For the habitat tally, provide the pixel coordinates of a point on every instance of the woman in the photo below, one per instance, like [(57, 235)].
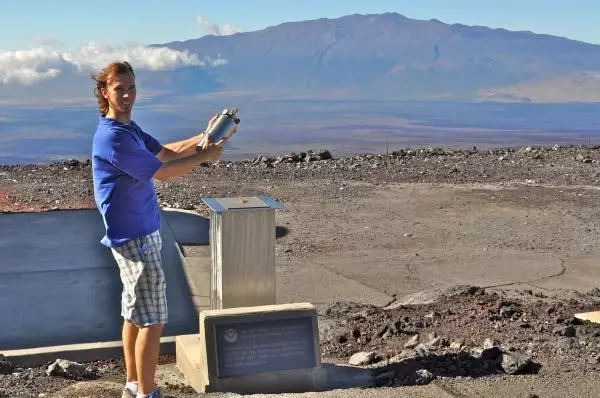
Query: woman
[(125, 161)]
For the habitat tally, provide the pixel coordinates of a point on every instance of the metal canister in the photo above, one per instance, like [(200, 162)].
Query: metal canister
[(223, 127)]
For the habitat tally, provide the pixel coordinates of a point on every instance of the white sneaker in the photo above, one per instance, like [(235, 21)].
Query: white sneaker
[(127, 393)]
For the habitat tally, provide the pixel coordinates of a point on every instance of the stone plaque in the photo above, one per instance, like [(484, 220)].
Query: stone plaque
[(267, 349), (264, 346)]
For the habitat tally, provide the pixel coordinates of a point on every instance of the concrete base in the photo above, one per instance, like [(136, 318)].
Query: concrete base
[(593, 316), (189, 354), (252, 350), (31, 357)]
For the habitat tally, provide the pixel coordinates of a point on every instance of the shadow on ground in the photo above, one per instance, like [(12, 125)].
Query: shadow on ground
[(422, 370), (418, 371)]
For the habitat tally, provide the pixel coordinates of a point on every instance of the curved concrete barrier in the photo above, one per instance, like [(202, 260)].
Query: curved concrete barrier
[(59, 285)]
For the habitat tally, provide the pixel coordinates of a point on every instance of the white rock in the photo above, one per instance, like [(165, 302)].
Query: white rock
[(412, 342), (362, 358)]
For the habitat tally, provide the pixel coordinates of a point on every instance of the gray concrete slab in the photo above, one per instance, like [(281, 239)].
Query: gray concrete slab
[(296, 282), (59, 285), (319, 284), (441, 268)]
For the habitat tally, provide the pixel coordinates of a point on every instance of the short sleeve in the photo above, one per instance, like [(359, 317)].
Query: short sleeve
[(133, 158), (151, 143)]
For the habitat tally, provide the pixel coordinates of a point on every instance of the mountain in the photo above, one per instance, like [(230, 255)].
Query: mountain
[(397, 57), (374, 56)]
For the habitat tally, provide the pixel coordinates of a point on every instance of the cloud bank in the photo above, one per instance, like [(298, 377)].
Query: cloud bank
[(217, 30), (39, 64)]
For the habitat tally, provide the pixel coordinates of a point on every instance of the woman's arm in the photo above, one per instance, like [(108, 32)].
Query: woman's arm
[(179, 149), (184, 148), (181, 166)]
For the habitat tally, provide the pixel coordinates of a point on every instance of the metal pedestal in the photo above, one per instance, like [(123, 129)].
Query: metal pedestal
[(242, 241)]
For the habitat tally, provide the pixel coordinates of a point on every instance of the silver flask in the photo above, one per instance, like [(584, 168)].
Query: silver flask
[(223, 127)]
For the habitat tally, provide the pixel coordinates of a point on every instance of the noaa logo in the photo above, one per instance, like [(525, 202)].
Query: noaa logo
[(230, 335)]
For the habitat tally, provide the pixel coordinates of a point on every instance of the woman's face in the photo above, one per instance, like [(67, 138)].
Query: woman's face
[(120, 93)]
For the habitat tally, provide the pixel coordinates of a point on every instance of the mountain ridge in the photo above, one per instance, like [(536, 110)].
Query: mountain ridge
[(390, 54)]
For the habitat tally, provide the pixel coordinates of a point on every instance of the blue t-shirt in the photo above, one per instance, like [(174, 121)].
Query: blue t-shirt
[(123, 165)]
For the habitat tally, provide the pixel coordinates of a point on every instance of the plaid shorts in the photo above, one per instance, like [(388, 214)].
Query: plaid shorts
[(144, 298)]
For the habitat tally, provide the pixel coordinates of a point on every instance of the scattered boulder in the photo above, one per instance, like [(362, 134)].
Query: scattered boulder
[(489, 343), (67, 369), (514, 362), (402, 356), (434, 343), (424, 349), (412, 342), (465, 290), (303, 157), (395, 328), (72, 163), (424, 376), (566, 331), (457, 345), (325, 155), (6, 365), (363, 358), (491, 350)]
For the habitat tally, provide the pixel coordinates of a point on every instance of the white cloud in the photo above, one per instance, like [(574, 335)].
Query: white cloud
[(95, 55), (33, 66), (217, 30), (29, 67)]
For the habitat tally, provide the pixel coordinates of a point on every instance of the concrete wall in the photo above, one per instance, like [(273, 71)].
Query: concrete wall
[(59, 285)]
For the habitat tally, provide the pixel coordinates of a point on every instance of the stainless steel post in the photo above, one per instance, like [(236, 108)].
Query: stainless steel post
[(242, 242)]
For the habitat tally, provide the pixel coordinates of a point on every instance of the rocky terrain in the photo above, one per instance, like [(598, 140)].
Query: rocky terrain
[(68, 184), (466, 332)]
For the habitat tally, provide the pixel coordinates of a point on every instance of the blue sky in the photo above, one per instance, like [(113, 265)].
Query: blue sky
[(24, 24)]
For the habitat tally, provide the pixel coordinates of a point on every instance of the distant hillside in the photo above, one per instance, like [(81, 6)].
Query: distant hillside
[(571, 87), (393, 56)]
